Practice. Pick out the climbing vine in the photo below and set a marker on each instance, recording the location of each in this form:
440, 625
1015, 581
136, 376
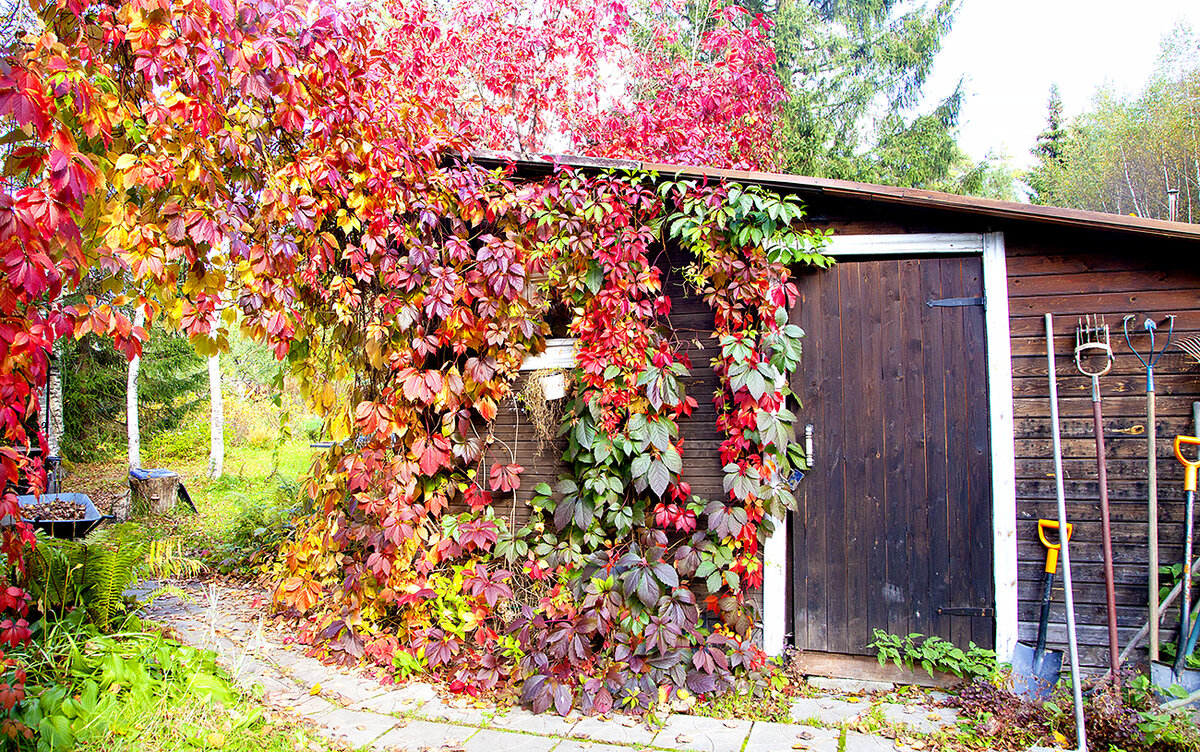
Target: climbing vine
297, 170
411, 551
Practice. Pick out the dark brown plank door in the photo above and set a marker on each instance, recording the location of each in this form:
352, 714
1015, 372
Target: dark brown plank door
893, 530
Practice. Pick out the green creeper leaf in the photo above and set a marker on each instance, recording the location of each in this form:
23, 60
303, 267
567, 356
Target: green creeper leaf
659, 477
672, 460
660, 435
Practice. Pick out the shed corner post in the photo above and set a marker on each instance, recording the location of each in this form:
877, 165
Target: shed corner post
1003, 442
774, 587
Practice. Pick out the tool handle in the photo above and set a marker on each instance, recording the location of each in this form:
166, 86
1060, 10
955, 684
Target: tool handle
1044, 617
1189, 466
1052, 549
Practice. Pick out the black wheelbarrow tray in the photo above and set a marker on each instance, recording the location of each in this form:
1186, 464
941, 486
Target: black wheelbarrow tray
69, 529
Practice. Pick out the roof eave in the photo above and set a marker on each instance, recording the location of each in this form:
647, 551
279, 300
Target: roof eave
1000, 210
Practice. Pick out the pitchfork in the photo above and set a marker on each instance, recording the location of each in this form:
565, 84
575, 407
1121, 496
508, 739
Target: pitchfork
1150, 361
1094, 357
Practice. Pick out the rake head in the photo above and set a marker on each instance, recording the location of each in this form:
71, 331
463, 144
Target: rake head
1093, 351
1191, 346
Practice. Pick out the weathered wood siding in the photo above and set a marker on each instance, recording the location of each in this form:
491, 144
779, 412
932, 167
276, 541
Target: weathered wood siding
1070, 275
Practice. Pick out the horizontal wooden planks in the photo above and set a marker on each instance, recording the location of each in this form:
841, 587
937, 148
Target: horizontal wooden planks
1048, 275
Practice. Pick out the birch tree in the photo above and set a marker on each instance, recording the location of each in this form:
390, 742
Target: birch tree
216, 418
131, 400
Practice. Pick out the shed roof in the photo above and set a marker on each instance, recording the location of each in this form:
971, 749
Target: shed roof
847, 189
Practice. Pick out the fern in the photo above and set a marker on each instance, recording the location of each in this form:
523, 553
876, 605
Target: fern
95, 573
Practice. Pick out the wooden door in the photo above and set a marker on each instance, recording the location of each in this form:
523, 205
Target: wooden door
894, 525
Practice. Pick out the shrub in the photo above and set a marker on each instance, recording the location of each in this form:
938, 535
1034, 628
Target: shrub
934, 654
261, 524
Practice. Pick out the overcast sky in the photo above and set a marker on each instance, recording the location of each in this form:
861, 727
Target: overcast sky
1010, 51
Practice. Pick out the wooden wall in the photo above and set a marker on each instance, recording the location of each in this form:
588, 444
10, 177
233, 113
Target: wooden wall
1067, 272
1070, 275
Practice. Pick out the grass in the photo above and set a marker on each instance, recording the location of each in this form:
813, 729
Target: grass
136, 690
187, 723
774, 707
238, 516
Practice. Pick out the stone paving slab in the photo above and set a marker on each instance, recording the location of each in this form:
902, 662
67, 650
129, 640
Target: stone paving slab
576, 745
924, 720
827, 709
417, 735
350, 689
437, 710
359, 711
849, 685
356, 727
692, 732
489, 740
856, 742
614, 732
544, 724
783, 737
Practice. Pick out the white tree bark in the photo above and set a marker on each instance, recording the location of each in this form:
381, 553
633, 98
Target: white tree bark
133, 432
216, 421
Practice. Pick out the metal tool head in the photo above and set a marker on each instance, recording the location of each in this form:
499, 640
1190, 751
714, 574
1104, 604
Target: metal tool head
1164, 676
1034, 676
1093, 350
1151, 328
1191, 346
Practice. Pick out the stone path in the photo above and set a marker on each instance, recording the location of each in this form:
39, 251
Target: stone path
358, 711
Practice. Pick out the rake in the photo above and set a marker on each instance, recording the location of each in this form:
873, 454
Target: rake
1191, 346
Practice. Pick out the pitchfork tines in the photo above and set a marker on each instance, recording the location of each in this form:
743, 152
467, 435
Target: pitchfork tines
1093, 351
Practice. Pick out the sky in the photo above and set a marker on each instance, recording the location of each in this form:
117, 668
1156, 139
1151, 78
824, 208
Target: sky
1010, 52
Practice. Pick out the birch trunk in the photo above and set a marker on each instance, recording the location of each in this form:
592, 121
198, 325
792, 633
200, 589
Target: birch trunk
216, 421
132, 430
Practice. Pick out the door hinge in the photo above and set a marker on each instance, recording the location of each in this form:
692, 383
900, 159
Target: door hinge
956, 302
986, 611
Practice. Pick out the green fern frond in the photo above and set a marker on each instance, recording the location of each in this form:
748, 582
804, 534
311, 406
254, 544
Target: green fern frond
165, 559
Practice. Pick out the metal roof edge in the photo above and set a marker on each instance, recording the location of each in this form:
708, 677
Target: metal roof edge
1006, 210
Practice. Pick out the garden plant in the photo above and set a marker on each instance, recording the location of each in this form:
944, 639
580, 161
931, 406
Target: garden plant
298, 171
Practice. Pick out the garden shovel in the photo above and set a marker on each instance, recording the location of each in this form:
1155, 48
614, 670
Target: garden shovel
1035, 669
1160, 673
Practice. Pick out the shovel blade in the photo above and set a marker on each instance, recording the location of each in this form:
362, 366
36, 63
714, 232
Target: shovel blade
1163, 676
1034, 676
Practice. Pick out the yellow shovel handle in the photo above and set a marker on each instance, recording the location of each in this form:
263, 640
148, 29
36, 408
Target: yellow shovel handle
1189, 466
1052, 548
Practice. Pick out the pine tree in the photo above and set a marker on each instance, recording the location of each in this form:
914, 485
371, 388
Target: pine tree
1050, 151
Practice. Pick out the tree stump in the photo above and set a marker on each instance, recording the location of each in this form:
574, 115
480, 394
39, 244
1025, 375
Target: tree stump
153, 491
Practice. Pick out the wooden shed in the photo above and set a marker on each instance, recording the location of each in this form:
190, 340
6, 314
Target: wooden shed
925, 383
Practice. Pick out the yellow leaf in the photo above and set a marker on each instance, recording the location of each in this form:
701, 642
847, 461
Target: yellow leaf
316, 689
216, 740
125, 161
